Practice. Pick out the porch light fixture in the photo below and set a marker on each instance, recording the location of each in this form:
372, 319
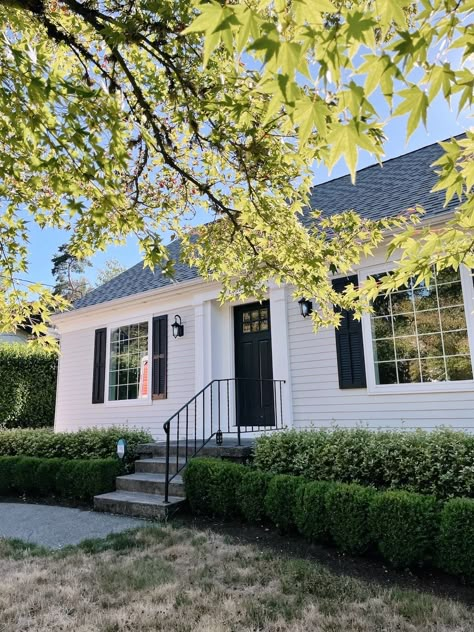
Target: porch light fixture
177, 327
306, 307
219, 437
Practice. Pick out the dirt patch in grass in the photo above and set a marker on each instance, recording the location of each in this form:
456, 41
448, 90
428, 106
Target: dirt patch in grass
185, 580
368, 568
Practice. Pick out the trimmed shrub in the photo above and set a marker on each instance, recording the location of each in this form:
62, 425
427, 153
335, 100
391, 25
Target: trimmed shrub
348, 507
440, 463
25, 477
27, 386
197, 481
47, 473
211, 486
456, 538
405, 526
82, 480
92, 443
310, 511
6, 474
251, 493
280, 501
74, 480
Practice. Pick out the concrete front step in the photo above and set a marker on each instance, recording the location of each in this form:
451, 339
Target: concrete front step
228, 450
147, 483
158, 465
154, 450
137, 504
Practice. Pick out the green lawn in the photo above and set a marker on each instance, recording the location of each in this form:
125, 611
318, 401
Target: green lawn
178, 579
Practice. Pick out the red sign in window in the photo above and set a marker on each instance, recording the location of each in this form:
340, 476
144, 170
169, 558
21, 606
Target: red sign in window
144, 377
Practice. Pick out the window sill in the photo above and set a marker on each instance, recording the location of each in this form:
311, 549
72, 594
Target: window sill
129, 402
404, 389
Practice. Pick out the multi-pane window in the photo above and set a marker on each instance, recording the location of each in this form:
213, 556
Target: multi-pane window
420, 334
255, 320
128, 367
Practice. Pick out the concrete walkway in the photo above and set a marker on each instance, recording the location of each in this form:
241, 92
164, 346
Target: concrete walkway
56, 527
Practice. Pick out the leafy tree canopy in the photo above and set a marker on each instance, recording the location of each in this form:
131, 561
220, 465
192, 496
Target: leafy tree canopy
71, 280
128, 116
111, 269
68, 272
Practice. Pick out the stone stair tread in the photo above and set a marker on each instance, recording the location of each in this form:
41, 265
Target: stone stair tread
140, 498
151, 477
162, 459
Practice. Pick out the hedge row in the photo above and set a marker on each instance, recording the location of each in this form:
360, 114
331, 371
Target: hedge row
69, 479
407, 528
440, 463
92, 443
27, 386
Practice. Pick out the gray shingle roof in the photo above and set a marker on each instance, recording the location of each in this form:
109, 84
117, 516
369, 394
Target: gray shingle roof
385, 191
138, 279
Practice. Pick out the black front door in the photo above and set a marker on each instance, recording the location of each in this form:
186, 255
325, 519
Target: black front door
253, 365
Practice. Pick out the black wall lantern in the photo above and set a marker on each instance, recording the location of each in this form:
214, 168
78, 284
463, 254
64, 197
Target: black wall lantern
306, 307
177, 327
219, 437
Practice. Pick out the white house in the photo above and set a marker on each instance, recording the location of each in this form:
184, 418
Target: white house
409, 364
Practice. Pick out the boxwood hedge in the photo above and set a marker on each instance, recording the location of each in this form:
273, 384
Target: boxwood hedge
211, 486
407, 528
251, 492
75, 480
280, 501
347, 510
456, 538
311, 515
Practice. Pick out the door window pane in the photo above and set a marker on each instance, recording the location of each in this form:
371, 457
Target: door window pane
255, 320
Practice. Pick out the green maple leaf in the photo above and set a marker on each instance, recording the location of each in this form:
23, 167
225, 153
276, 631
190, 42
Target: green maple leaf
415, 103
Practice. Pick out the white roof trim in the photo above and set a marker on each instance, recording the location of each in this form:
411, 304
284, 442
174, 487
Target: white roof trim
175, 288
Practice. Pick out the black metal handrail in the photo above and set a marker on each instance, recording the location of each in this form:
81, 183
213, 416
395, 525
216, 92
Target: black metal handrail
213, 412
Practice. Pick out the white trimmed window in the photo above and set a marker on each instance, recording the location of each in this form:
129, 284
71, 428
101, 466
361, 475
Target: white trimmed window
420, 334
128, 362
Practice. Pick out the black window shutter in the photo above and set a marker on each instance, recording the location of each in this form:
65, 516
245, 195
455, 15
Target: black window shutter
160, 357
98, 379
349, 343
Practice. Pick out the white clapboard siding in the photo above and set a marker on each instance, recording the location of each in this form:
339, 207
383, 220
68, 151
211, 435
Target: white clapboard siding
74, 407
318, 401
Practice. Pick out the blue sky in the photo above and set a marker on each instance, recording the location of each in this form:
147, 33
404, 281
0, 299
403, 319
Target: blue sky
442, 123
